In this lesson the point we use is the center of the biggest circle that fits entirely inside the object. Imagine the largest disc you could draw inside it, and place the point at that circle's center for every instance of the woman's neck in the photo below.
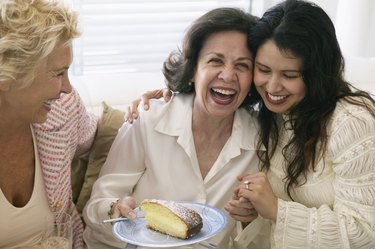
(210, 126)
(210, 136)
(13, 131)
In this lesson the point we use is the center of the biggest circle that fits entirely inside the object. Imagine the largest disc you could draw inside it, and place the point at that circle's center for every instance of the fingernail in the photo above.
(145, 106)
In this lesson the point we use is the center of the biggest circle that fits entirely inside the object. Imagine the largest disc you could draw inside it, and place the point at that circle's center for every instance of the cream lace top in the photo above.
(335, 208)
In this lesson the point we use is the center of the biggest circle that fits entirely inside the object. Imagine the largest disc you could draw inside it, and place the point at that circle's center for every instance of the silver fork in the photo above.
(120, 219)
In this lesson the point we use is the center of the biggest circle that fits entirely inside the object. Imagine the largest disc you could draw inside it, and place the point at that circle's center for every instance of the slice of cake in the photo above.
(171, 218)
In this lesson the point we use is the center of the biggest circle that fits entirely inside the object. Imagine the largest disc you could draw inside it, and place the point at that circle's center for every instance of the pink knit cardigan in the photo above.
(68, 132)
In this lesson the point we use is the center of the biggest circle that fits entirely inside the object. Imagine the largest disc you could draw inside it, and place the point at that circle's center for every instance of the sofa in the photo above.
(108, 96)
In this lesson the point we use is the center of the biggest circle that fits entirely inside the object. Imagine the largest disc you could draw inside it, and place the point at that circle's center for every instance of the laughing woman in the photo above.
(43, 123)
(192, 148)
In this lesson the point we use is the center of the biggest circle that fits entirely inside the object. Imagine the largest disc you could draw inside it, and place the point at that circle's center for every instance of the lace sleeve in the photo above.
(350, 223)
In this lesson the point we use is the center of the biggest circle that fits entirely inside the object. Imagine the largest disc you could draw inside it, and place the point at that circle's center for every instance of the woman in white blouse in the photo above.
(192, 148)
(317, 188)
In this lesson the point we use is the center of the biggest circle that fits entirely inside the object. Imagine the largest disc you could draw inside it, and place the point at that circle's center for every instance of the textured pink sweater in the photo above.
(68, 132)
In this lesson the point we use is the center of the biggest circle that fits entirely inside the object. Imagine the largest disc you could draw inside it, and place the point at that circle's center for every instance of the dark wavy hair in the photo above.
(305, 30)
(180, 65)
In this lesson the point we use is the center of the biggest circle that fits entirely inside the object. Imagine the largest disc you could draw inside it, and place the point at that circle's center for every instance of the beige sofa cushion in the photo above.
(108, 126)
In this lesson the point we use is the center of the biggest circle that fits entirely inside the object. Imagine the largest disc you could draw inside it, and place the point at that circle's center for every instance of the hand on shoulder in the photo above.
(131, 113)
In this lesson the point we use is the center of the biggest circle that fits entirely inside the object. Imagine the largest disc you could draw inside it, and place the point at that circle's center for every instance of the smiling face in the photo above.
(223, 74)
(278, 78)
(32, 103)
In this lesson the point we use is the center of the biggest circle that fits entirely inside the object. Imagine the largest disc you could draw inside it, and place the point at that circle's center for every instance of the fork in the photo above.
(120, 219)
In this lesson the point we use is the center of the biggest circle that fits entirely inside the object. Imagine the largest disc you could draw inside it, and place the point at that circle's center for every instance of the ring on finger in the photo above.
(247, 183)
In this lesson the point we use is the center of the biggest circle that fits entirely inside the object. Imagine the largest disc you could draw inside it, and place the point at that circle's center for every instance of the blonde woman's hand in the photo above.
(257, 189)
(131, 113)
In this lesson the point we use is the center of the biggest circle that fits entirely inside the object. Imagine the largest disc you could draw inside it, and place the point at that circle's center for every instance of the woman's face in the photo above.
(278, 78)
(223, 73)
(32, 103)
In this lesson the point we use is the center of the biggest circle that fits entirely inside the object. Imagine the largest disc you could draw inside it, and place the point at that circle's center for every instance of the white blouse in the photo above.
(156, 158)
(335, 208)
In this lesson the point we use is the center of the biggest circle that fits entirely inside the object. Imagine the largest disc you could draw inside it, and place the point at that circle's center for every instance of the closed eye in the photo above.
(215, 61)
(263, 70)
(243, 66)
(59, 74)
(292, 75)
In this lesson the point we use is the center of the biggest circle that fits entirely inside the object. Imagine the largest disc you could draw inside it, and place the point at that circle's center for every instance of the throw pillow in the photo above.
(108, 126)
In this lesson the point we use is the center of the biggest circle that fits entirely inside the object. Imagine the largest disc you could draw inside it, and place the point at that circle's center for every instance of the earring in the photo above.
(190, 83)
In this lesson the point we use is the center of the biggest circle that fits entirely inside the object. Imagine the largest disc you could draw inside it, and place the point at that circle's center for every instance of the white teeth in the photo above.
(276, 98)
(225, 92)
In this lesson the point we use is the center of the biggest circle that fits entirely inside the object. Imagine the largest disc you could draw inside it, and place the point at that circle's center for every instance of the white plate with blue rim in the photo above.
(135, 231)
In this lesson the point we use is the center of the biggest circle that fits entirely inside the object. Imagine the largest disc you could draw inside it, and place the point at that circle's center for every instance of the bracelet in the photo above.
(110, 212)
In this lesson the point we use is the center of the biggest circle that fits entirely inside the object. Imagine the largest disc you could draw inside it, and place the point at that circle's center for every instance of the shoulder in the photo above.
(164, 118)
(159, 109)
(67, 111)
(70, 102)
(245, 129)
(66, 106)
(350, 126)
(347, 114)
(247, 119)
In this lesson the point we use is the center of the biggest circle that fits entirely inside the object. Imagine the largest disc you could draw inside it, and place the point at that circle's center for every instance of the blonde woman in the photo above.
(43, 123)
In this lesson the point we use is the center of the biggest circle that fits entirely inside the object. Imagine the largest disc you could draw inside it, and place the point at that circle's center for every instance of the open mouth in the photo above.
(223, 96)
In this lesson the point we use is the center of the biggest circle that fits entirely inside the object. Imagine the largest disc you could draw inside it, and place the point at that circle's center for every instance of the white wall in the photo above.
(355, 25)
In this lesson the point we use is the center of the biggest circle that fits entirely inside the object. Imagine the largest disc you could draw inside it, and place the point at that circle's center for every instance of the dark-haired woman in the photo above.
(317, 187)
(193, 148)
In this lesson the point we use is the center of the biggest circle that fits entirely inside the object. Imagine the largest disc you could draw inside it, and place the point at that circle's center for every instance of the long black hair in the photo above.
(305, 30)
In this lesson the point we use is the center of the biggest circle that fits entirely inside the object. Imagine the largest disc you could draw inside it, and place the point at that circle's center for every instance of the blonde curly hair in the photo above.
(29, 31)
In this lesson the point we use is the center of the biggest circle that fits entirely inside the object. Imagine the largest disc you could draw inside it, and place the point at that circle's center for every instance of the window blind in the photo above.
(122, 36)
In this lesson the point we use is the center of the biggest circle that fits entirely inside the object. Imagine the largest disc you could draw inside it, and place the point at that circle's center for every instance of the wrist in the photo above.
(112, 207)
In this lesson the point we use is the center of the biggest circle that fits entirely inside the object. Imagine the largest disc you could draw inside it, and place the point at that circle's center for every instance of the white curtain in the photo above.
(135, 36)
(130, 36)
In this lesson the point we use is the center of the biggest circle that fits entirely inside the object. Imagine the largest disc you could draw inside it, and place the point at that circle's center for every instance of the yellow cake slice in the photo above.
(171, 218)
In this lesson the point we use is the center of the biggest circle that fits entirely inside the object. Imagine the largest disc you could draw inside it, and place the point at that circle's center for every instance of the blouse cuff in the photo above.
(299, 229)
(257, 228)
